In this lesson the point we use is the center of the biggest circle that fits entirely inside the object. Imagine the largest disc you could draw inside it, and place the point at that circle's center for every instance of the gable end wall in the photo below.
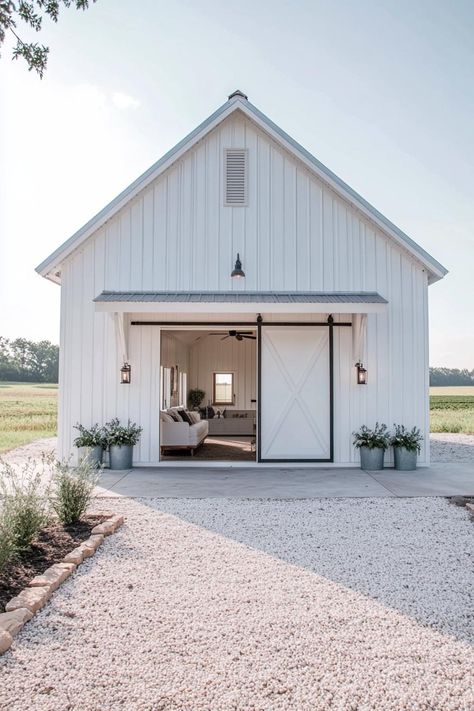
(295, 234)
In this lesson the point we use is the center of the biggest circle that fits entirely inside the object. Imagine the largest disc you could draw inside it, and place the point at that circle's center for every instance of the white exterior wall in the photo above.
(295, 234)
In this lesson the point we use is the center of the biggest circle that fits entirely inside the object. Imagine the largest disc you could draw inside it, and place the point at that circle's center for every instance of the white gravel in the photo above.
(451, 447)
(33, 450)
(174, 616)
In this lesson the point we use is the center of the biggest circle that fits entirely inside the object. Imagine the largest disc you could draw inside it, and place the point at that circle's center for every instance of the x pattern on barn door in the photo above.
(295, 393)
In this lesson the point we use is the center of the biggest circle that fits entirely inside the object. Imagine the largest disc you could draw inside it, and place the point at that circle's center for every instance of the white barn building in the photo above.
(329, 282)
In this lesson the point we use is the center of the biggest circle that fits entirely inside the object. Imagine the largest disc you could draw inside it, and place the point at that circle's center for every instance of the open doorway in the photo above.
(208, 394)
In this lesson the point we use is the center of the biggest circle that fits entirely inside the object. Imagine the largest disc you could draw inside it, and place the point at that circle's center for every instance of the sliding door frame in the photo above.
(329, 323)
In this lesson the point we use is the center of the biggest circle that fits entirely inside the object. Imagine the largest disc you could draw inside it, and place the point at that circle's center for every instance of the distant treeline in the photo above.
(23, 360)
(451, 376)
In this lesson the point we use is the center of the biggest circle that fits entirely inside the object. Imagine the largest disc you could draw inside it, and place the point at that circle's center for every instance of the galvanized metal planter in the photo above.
(371, 459)
(120, 456)
(405, 460)
(94, 454)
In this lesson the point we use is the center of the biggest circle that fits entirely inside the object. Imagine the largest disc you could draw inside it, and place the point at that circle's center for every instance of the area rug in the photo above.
(218, 449)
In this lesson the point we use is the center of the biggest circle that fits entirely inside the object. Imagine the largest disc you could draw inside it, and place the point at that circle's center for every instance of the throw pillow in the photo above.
(186, 418)
(164, 417)
(175, 415)
(195, 416)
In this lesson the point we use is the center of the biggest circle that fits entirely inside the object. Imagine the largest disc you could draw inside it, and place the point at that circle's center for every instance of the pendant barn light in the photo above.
(238, 271)
(361, 374)
(125, 374)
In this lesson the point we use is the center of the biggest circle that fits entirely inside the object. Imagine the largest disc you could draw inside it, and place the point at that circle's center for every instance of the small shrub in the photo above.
(410, 439)
(7, 539)
(95, 436)
(24, 501)
(120, 435)
(378, 438)
(72, 490)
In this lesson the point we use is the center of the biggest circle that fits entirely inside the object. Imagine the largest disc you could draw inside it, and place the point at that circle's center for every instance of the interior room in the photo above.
(208, 394)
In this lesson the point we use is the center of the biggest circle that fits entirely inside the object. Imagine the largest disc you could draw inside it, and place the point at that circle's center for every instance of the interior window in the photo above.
(165, 388)
(223, 389)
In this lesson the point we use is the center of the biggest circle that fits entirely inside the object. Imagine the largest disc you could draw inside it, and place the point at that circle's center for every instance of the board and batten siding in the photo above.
(294, 234)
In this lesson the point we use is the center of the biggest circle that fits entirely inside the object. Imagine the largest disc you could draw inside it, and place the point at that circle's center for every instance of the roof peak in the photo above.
(238, 94)
(238, 102)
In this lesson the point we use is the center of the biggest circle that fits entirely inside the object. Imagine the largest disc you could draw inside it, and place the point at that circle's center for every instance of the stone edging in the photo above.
(21, 608)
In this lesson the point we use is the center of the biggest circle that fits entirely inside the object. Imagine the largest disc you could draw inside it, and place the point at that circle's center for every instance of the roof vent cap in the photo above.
(238, 94)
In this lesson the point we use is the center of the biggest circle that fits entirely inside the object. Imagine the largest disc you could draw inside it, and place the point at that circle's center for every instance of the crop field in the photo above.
(452, 409)
(28, 411)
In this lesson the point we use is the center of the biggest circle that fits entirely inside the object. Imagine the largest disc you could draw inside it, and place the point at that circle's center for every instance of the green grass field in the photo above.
(28, 411)
(452, 409)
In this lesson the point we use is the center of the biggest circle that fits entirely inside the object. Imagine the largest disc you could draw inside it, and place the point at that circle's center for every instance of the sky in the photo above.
(381, 91)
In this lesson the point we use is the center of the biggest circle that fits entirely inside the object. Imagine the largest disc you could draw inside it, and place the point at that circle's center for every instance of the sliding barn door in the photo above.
(295, 393)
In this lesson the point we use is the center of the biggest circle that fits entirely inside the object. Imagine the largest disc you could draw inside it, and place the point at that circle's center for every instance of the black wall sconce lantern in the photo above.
(361, 374)
(238, 271)
(125, 374)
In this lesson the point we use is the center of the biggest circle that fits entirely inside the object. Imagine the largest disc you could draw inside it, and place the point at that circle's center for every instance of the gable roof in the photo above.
(50, 267)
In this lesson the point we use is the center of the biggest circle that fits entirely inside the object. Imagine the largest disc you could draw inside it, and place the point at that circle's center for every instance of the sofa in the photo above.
(181, 434)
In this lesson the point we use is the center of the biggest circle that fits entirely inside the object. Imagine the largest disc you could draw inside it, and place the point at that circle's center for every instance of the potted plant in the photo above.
(372, 445)
(91, 443)
(121, 440)
(406, 447)
(195, 397)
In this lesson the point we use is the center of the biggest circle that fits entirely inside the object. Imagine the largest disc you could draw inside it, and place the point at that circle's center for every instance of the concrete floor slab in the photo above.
(455, 479)
(287, 483)
(247, 483)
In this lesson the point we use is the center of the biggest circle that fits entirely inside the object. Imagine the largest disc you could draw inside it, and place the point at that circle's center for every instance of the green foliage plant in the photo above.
(378, 438)
(24, 501)
(72, 490)
(121, 435)
(409, 439)
(196, 396)
(7, 540)
(32, 13)
(94, 436)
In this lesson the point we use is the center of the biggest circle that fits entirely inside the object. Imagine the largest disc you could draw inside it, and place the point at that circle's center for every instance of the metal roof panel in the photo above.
(249, 297)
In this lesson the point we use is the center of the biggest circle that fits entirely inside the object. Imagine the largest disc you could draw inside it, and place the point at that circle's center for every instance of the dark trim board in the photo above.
(331, 388)
(259, 388)
(330, 324)
(226, 324)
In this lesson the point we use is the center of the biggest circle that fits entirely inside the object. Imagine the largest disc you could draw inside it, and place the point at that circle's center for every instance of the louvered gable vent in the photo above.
(235, 176)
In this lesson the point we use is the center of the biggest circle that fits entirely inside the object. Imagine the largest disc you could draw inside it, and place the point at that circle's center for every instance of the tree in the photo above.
(32, 14)
(451, 376)
(23, 360)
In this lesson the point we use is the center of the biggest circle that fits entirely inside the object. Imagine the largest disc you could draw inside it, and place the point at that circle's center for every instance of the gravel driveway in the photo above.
(265, 605)
(220, 605)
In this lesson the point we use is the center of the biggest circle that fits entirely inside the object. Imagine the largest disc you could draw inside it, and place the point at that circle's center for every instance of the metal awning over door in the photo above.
(240, 302)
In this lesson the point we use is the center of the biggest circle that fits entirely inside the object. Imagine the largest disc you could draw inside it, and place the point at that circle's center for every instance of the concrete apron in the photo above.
(450, 479)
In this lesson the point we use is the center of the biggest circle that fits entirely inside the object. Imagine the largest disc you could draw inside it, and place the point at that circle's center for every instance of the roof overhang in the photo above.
(240, 302)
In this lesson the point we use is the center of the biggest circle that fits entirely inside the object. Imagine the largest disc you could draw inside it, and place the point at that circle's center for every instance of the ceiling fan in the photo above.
(239, 335)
